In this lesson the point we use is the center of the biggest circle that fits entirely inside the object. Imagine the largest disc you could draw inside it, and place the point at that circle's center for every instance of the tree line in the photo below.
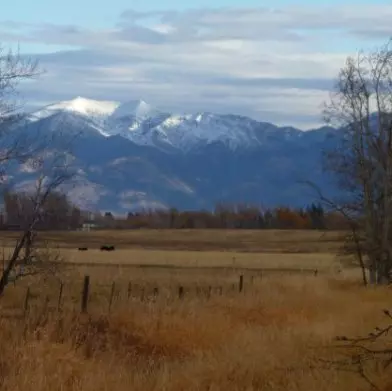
(58, 213)
(227, 217)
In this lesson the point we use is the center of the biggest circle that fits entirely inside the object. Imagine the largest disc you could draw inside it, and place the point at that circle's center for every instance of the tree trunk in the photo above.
(385, 269)
(372, 274)
(359, 255)
(12, 262)
(363, 271)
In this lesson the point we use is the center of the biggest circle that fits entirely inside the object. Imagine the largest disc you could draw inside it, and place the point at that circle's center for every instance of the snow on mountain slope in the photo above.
(189, 130)
(145, 125)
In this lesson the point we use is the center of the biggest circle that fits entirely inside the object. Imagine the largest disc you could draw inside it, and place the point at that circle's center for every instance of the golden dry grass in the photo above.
(270, 337)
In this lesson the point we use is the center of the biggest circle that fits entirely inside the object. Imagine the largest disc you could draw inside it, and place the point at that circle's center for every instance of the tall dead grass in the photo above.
(269, 338)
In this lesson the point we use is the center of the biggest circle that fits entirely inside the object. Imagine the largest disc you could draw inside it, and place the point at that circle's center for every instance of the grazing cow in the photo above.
(107, 248)
(82, 248)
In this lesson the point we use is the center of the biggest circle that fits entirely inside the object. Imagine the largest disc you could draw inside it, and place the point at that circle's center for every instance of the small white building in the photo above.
(87, 227)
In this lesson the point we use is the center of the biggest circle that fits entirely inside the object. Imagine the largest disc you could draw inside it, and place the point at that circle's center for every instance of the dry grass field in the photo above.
(140, 335)
(279, 241)
(197, 248)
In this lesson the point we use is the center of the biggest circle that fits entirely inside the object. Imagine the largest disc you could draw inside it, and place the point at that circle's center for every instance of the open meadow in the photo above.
(167, 311)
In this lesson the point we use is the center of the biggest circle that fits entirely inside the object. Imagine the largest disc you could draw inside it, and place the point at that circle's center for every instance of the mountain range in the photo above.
(131, 155)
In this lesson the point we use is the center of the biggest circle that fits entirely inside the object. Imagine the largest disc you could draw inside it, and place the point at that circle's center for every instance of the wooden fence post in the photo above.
(85, 293)
(142, 294)
(26, 302)
(180, 292)
(241, 284)
(60, 297)
(46, 305)
(112, 295)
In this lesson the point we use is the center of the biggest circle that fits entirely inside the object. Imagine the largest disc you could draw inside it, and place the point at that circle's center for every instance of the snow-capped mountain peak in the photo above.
(79, 105)
(88, 106)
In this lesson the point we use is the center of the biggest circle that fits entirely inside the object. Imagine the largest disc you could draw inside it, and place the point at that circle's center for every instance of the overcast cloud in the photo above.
(274, 65)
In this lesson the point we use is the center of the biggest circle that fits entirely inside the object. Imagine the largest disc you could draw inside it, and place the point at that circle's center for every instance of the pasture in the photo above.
(139, 333)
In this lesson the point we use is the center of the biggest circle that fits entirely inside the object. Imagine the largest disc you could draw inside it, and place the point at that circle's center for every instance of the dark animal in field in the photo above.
(107, 248)
(82, 248)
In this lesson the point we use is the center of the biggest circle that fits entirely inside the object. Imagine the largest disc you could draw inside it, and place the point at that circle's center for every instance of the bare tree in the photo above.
(26, 259)
(361, 108)
(47, 162)
(14, 69)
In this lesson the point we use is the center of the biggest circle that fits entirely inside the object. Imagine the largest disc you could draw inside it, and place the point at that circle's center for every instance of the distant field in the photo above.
(260, 241)
(202, 259)
(251, 249)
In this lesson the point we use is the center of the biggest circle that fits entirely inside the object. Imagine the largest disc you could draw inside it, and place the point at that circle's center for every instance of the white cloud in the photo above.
(272, 64)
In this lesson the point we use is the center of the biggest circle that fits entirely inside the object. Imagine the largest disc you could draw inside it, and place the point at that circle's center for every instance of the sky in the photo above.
(274, 61)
